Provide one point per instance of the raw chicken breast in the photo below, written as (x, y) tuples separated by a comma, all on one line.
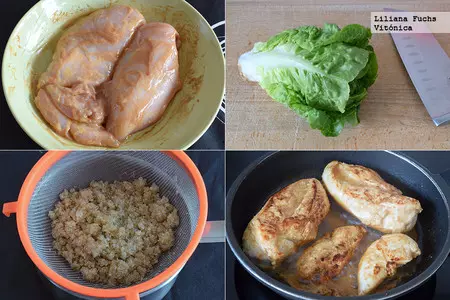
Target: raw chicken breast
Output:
[(145, 80), (84, 58), (88, 50), (86, 134), (78, 103)]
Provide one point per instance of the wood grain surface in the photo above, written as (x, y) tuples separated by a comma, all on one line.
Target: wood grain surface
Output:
[(392, 116)]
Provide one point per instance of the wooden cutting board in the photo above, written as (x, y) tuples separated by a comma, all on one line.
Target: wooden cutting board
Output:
[(392, 116)]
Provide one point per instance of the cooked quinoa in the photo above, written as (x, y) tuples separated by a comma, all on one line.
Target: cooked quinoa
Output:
[(113, 233)]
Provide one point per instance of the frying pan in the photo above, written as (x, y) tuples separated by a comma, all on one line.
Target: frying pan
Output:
[(268, 175)]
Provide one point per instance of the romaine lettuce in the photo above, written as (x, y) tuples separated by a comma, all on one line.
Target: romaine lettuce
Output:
[(321, 74)]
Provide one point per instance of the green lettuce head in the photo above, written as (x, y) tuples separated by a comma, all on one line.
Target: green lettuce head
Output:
[(321, 74)]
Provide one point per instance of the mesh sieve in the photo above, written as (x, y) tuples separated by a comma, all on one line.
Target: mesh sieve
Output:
[(78, 169)]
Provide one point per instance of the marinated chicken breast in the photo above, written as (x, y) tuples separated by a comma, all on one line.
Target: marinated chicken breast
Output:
[(89, 49), (382, 259), (363, 193), (289, 219), (78, 103), (145, 80), (84, 58), (84, 133), (326, 258)]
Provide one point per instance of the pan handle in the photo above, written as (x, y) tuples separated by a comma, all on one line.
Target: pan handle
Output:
[(214, 232), (10, 208)]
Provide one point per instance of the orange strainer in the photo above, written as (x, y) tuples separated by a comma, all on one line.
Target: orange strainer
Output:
[(174, 172)]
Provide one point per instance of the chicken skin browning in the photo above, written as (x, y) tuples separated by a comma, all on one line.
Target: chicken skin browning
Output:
[(145, 80), (382, 259), (363, 193), (315, 288), (326, 258), (289, 219)]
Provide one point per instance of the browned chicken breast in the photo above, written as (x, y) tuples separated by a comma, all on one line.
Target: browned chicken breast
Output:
[(289, 219), (363, 193), (314, 288), (382, 259), (327, 257)]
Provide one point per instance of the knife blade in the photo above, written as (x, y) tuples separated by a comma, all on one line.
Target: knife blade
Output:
[(428, 67)]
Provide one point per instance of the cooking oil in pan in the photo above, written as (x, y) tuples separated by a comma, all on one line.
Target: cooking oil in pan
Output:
[(345, 284)]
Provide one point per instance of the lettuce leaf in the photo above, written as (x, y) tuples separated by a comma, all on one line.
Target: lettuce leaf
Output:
[(321, 74)]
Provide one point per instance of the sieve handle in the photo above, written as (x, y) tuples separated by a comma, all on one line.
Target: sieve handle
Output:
[(10, 208), (132, 296), (214, 232)]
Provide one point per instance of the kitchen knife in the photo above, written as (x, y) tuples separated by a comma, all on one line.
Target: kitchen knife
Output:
[(428, 67)]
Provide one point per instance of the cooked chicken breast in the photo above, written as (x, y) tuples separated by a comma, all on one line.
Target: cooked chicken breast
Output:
[(145, 80), (314, 288), (382, 259), (363, 193), (289, 219), (328, 255)]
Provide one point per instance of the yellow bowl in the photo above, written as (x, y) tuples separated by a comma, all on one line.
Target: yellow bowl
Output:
[(202, 67)]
